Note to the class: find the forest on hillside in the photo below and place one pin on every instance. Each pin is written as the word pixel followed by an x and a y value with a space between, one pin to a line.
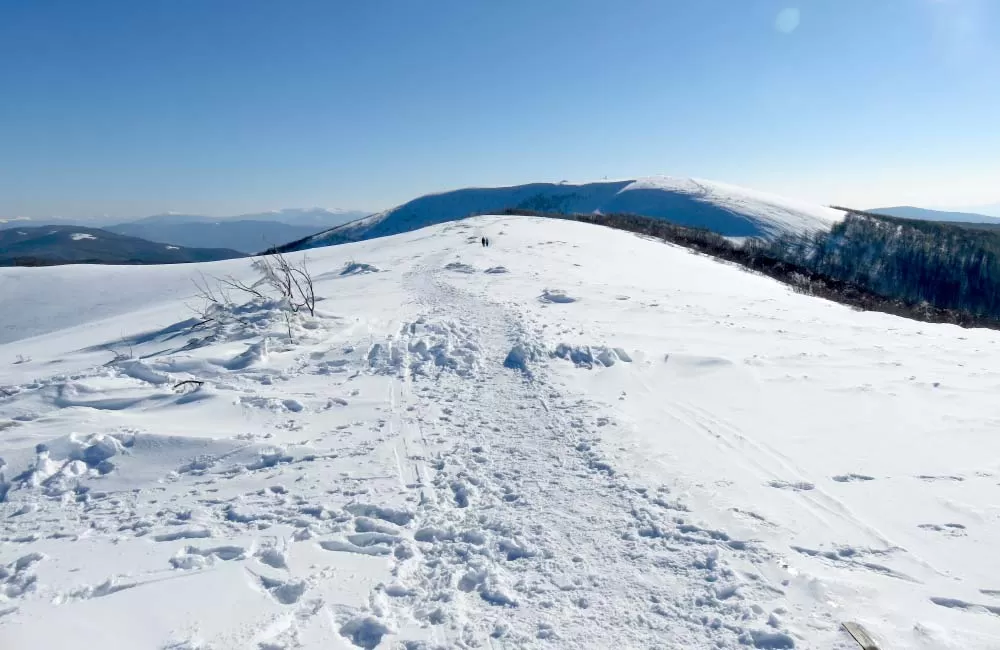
pixel 918 262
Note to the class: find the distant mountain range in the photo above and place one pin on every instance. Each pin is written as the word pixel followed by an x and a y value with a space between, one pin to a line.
pixel 726 209
pixel 59 244
pixel 245 236
pixel 923 214
pixel 247 233
pixel 315 217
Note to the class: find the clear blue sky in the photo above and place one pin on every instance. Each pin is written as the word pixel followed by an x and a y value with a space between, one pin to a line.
pixel 223 106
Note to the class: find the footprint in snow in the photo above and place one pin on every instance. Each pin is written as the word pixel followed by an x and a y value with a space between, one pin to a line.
pixel 954 603
pixel 952 530
pixel 851 478
pixel 799 486
pixel 931 477
pixel 365 631
pixel 285 592
pixel 192 557
pixel 748 514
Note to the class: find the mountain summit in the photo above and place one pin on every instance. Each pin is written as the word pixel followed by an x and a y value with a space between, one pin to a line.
pixel 726 209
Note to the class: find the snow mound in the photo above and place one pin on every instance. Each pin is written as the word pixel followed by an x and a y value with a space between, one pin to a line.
pixel 556 296
pixel 727 209
pixel 62 464
pixel 426 347
pixel 440 345
pixel 588 356
pixel 521 355
pixel 460 267
pixel 358 268
pixel 255 354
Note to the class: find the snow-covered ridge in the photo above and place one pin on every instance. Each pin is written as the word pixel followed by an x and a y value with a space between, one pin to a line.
pixel 575 438
pixel 727 209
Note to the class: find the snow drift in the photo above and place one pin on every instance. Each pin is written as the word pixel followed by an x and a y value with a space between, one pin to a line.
pixel 726 209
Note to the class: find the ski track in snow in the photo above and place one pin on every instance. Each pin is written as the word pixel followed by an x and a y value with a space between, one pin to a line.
pixel 445 474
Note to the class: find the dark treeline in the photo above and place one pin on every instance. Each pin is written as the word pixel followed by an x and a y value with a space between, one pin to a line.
pixel 947 266
pixel 929 271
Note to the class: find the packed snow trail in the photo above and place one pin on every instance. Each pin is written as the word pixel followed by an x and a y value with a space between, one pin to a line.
pixel 525 534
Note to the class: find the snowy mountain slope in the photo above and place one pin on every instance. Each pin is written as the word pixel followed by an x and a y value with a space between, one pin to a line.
pixel 76 244
pixel 729 210
pixel 576 438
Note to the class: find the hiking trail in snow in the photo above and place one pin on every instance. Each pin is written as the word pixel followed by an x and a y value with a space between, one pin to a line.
pixel 525 532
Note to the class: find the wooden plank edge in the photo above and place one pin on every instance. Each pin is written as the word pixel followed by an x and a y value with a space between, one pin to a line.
pixel 860 634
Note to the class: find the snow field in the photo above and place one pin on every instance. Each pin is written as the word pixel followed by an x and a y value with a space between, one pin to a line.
pixel 610 443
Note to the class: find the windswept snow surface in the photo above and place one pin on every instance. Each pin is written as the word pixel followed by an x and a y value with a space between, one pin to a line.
pixel 612 443
pixel 729 210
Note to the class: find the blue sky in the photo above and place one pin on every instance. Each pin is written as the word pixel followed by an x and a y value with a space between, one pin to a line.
pixel 224 106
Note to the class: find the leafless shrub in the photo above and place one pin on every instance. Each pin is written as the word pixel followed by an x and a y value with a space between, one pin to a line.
pixel 293 283
pixel 280 281
pixel 122 353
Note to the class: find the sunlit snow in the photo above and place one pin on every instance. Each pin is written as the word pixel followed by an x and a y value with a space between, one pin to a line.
pixel 575 438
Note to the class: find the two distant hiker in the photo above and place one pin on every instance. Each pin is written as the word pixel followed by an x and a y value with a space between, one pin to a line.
pixel 486 242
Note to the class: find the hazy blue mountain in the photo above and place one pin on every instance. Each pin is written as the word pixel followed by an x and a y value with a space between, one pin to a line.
pixel 242 235
pixel 32 222
pixel 247 233
pixel 320 217
pixel 923 214
pixel 314 217
pixel 61 244
pixel 173 218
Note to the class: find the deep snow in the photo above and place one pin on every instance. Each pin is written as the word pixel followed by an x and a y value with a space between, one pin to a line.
pixel 576 438
pixel 729 210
